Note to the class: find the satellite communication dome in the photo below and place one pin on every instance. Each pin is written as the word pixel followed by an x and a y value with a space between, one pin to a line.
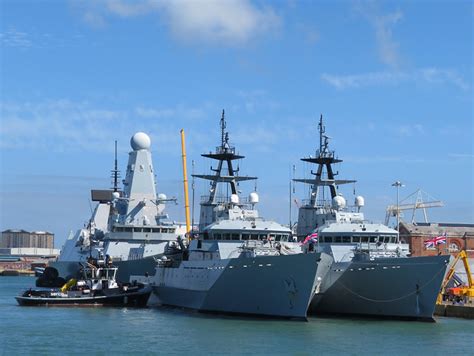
pixel 359 201
pixel 161 196
pixel 234 199
pixel 338 202
pixel 254 198
pixel 115 195
pixel 140 141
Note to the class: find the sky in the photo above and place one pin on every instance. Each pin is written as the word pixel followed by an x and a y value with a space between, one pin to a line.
pixel 392 79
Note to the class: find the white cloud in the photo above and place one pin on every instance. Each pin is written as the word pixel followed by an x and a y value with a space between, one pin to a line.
pixel 65 125
pixel 230 22
pixel 423 75
pixel 383 24
pixel 179 112
pixel 14 38
pixel 411 130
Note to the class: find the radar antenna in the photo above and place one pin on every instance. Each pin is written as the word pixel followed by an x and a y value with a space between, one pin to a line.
pixel 224 137
pixel 115 171
pixel 322 130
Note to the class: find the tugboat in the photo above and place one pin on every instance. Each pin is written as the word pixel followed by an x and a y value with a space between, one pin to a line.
pixel 97 287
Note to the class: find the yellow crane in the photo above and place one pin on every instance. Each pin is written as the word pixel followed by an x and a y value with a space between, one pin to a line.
pixel 185 183
pixel 462 290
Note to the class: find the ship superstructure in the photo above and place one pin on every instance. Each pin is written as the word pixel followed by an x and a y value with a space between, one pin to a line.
pixel 238 263
pixel 371 272
pixel 340 227
pixel 129 225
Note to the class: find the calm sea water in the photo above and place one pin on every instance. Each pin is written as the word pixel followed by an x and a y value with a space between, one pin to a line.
pixel 100 331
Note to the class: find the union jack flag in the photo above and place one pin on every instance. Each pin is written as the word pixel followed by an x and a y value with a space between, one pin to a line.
pixel 310 238
pixel 435 241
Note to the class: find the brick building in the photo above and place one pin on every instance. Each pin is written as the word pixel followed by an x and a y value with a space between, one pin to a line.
pixel 25 239
pixel 458 237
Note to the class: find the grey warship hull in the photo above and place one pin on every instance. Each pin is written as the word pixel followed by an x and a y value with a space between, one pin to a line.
pixel 272 286
pixel 139 267
pixel 401 288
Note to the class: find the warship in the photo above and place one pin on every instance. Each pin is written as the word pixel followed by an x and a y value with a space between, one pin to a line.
pixel 371 273
pixel 129 225
pixel 237 262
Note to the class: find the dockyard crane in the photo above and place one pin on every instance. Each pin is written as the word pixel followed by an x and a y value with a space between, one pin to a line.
pixel 460 290
pixel 417 202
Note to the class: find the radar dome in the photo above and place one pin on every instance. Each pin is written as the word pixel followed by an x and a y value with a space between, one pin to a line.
pixel 161 196
pixel 140 141
pixel 115 195
pixel 254 198
pixel 338 202
pixel 234 199
pixel 359 201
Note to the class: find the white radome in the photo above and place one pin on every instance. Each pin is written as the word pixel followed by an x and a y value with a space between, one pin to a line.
pixel 140 141
pixel 162 196
pixel 234 199
pixel 253 197
pixel 115 195
pixel 338 202
pixel 359 201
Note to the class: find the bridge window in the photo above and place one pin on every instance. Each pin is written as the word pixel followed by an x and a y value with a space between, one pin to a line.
pixel 235 237
pixel 155 230
pixel 364 239
pixel 346 239
pixel 216 236
pixel 356 239
pixel 245 236
pixel 137 229
pixel 373 239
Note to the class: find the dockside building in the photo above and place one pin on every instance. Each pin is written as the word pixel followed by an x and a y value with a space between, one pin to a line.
pixel 458 237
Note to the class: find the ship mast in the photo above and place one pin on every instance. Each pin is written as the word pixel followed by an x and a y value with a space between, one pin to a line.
pixel 224 154
pixel 115 172
pixel 324 158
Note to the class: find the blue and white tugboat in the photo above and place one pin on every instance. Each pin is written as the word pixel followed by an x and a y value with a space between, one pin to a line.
pixel 98 287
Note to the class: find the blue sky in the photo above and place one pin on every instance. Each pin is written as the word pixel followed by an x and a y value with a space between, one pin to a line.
pixel 394 81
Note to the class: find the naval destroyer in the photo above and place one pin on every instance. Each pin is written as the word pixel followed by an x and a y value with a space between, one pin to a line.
pixel 129 225
pixel 237 263
pixel 372 273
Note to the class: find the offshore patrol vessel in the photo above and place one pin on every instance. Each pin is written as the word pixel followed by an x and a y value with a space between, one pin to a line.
pixel 237 264
pixel 371 273
pixel 129 226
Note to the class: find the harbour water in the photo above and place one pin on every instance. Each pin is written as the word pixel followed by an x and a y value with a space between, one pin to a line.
pixel 100 331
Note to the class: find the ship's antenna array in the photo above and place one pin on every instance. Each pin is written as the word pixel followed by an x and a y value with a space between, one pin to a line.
pixel 115 171
pixel 224 136
pixel 322 130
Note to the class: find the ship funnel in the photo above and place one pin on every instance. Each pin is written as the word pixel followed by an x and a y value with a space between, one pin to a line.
pixel 338 202
pixel 234 199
